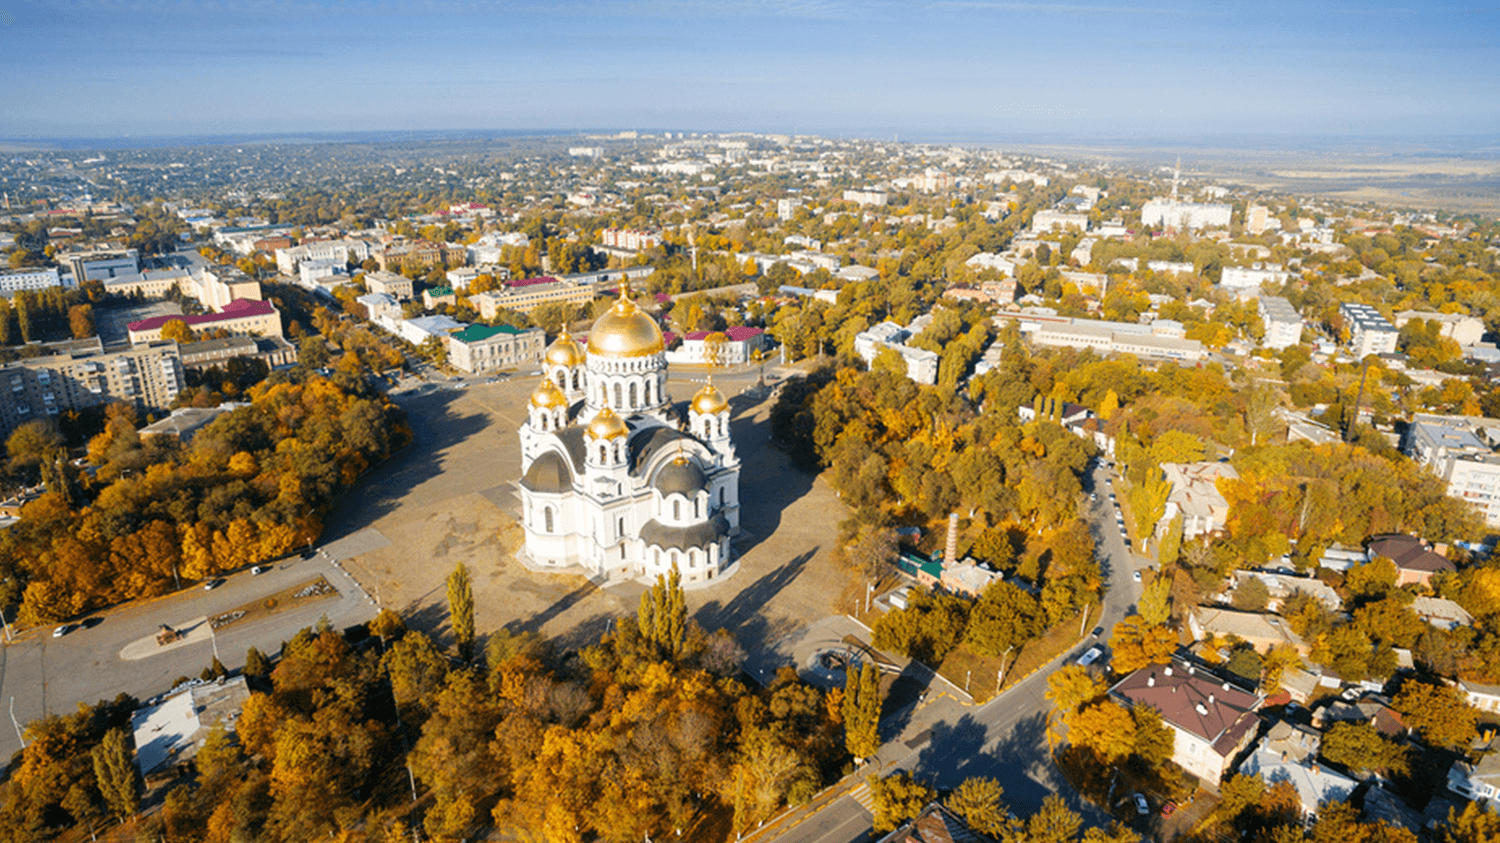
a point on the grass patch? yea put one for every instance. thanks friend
(980, 671)
(285, 600)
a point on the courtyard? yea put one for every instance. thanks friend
(451, 497)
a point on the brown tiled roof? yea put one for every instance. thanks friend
(1409, 553)
(934, 825)
(1195, 701)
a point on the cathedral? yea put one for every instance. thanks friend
(615, 478)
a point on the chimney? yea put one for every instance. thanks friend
(1315, 768)
(1169, 670)
(950, 553)
(1210, 699)
(1151, 681)
(1283, 756)
(1441, 549)
(1200, 708)
(1192, 670)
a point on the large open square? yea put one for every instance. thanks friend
(451, 497)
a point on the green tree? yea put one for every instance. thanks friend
(1251, 595)
(114, 770)
(461, 610)
(1359, 746)
(662, 616)
(1156, 600)
(862, 710)
(257, 666)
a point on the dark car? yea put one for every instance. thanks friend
(1098, 631)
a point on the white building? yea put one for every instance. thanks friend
(1369, 332)
(1059, 220)
(921, 364)
(319, 270)
(989, 260)
(1212, 721)
(867, 196)
(1189, 215)
(611, 485)
(1195, 496)
(1252, 277)
(1282, 322)
(28, 278)
(1462, 328)
(1450, 448)
(423, 328)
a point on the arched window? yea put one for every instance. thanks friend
(676, 510)
(547, 519)
(697, 508)
(618, 404)
(603, 452)
(708, 426)
(632, 395)
(621, 533)
(562, 379)
(692, 558)
(650, 391)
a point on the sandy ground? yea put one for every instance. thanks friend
(450, 498)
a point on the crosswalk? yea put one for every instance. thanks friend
(863, 796)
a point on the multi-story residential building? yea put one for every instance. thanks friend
(1369, 332)
(1212, 721)
(421, 255)
(1450, 447)
(344, 251)
(921, 364)
(867, 196)
(1188, 215)
(1282, 322)
(275, 351)
(396, 286)
(242, 316)
(481, 348)
(629, 238)
(1257, 219)
(28, 278)
(1057, 220)
(1462, 328)
(1251, 277)
(79, 374)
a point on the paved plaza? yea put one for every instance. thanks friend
(451, 497)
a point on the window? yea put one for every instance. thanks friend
(547, 519)
(632, 396)
(697, 508)
(621, 533)
(618, 403)
(676, 510)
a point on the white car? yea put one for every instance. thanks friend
(63, 630)
(1091, 656)
(1140, 804)
(1135, 575)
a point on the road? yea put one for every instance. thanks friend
(946, 741)
(41, 675)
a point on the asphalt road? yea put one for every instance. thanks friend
(945, 741)
(41, 675)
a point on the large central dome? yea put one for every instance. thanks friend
(625, 331)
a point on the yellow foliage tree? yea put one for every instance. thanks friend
(1138, 644)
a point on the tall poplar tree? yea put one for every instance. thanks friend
(461, 610)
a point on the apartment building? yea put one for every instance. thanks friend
(1185, 215)
(242, 316)
(528, 294)
(1282, 322)
(1452, 448)
(28, 278)
(1369, 332)
(396, 286)
(79, 374)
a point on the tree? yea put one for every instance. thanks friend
(1251, 595)
(716, 349)
(1439, 713)
(897, 798)
(662, 616)
(1105, 729)
(81, 321)
(1154, 740)
(461, 610)
(862, 710)
(1054, 822)
(1156, 600)
(257, 666)
(1138, 644)
(1170, 546)
(980, 801)
(1003, 618)
(1358, 746)
(1476, 824)
(177, 330)
(115, 772)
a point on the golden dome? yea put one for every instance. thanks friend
(709, 399)
(625, 331)
(564, 351)
(547, 395)
(607, 425)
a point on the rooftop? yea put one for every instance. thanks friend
(237, 309)
(479, 333)
(1194, 701)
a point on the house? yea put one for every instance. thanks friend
(1263, 632)
(1195, 496)
(396, 286)
(1212, 721)
(1373, 709)
(1441, 613)
(1289, 753)
(969, 578)
(1299, 685)
(1282, 587)
(170, 730)
(434, 296)
(1416, 561)
(1478, 780)
(1482, 697)
(481, 348)
(935, 824)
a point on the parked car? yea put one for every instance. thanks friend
(1135, 575)
(212, 584)
(63, 630)
(259, 569)
(1140, 804)
(1091, 656)
(1098, 631)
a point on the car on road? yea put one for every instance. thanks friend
(1093, 496)
(1091, 656)
(1135, 575)
(1140, 804)
(259, 569)
(1098, 631)
(213, 584)
(63, 630)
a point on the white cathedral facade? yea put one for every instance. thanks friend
(610, 480)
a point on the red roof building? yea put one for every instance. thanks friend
(241, 316)
(1212, 720)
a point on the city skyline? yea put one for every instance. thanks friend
(98, 69)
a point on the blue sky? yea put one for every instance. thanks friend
(1156, 68)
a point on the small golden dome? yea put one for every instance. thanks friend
(607, 425)
(547, 395)
(625, 331)
(564, 351)
(709, 399)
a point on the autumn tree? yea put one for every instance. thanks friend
(1439, 713)
(1359, 747)
(114, 770)
(177, 330)
(1104, 729)
(898, 798)
(861, 710)
(662, 616)
(461, 610)
(1003, 618)
(980, 801)
(1138, 644)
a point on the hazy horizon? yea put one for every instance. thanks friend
(962, 70)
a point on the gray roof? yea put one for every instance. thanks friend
(646, 442)
(682, 538)
(680, 477)
(549, 474)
